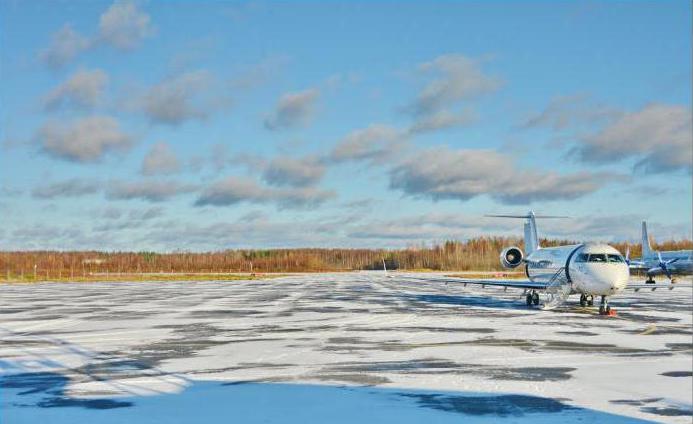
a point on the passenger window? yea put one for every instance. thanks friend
(582, 257)
(597, 257)
(615, 258)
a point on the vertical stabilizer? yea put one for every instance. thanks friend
(531, 239)
(646, 248)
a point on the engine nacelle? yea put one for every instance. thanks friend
(511, 257)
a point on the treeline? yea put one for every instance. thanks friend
(478, 254)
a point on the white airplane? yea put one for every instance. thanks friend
(588, 269)
(669, 263)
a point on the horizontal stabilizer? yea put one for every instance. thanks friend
(526, 216)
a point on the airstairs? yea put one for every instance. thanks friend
(557, 290)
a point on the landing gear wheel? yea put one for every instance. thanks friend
(590, 302)
(605, 309)
(529, 300)
(535, 298)
(650, 280)
(583, 300)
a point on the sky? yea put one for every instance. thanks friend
(193, 126)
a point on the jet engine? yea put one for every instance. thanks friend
(511, 257)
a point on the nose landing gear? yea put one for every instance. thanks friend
(605, 309)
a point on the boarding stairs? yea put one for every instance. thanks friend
(557, 290)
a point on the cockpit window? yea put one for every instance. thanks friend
(582, 257)
(597, 257)
(615, 258)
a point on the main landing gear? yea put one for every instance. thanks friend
(532, 298)
(586, 300)
(651, 280)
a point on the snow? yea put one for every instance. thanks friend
(340, 348)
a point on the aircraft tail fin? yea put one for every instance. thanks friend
(530, 227)
(531, 239)
(646, 248)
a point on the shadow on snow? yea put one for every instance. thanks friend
(472, 300)
(42, 397)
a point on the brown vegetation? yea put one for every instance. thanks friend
(479, 254)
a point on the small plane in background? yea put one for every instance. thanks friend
(669, 263)
(587, 269)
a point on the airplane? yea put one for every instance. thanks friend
(588, 269)
(669, 263)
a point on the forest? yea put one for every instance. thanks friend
(477, 254)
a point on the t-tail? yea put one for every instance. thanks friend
(646, 248)
(531, 238)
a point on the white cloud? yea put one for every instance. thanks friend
(65, 45)
(442, 119)
(442, 173)
(146, 214)
(293, 110)
(234, 190)
(108, 213)
(243, 233)
(75, 187)
(457, 78)
(123, 25)
(287, 171)
(136, 218)
(429, 227)
(564, 112)
(188, 96)
(658, 135)
(152, 191)
(50, 237)
(160, 160)
(84, 89)
(376, 142)
(86, 139)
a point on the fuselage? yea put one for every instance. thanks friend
(591, 269)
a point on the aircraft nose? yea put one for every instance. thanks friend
(612, 277)
(619, 278)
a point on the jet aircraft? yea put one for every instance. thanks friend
(587, 269)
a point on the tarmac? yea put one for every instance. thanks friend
(343, 347)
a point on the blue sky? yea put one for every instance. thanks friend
(210, 125)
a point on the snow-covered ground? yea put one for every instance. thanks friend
(351, 347)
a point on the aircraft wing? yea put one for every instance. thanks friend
(527, 284)
(653, 287)
(514, 283)
(637, 265)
